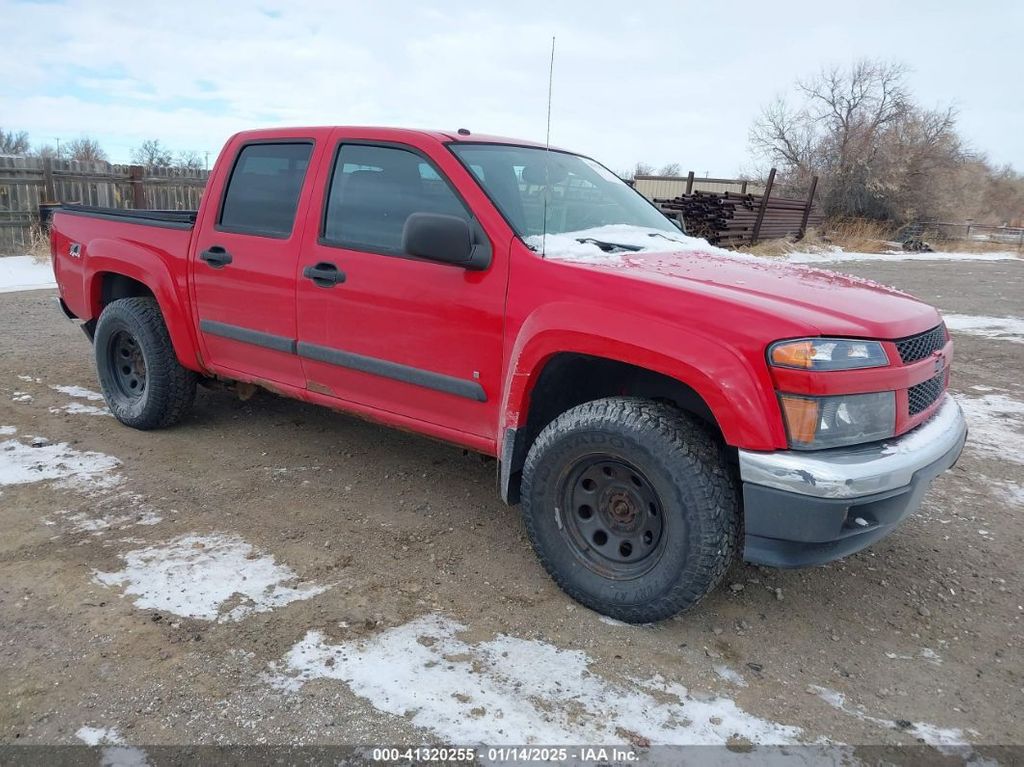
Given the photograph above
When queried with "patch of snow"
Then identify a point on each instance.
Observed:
(998, 328)
(837, 255)
(81, 522)
(1011, 492)
(79, 392)
(200, 576)
(730, 675)
(6, 431)
(612, 622)
(30, 379)
(22, 464)
(939, 737)
(20, 396)
(25, 273)
(514, 691)
(100, 736)
(995, 426)
(80, 408)
(567, 246)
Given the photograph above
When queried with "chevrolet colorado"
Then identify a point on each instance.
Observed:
(656, 406)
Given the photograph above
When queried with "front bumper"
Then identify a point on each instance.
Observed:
(806, 508)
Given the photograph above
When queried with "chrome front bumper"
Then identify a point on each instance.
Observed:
(852, 472)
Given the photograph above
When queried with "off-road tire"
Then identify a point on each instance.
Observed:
(166, 390)
(682, 463)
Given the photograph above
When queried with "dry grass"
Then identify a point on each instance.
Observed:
(39, 246)
(861, 236)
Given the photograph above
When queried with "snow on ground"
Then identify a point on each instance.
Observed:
(40, 460)
(995, 425)
(213, 577)
(80, 522)
(25, 273)
(21, 396)
(730, 675)
(928, 733)
(78, 392)
(999, 328)
(80, 408)
(1011, 492)
(100, 736)
(838, 255)
(514, 691)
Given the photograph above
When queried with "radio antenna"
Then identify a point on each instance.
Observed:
(547, 154)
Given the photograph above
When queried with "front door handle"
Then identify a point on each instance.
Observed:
(324, 274)
(216, 256)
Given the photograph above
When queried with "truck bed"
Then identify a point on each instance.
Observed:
(177, 219)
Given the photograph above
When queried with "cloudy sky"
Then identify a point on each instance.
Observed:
(655, 81)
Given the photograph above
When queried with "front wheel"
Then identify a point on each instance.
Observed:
(630, 508)
(143, 383)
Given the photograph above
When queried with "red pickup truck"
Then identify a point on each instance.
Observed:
(656, 406)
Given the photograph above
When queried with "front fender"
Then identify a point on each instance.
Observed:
(736, 389)
(150, 267)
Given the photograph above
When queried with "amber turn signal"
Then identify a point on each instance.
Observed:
(802, 417)
(799, 354)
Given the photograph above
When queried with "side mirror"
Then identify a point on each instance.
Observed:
(446, 239)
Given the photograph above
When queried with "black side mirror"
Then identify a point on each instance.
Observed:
(447, 239)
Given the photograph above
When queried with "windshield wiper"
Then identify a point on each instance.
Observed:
(659, 234)
(608, 247)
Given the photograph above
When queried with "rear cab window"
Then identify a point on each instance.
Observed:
(262, 194)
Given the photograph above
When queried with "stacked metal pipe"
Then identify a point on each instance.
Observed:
(730, 219)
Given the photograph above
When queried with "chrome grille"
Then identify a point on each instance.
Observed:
(920, 346)
(922, 396)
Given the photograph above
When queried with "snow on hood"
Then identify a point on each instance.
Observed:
(567, 246)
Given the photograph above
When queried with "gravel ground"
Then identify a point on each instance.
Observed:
(270, 572)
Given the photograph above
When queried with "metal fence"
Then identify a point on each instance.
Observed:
(937, 231)
(28, 182)
(674, 186)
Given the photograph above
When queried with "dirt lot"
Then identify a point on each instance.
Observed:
(270, 572)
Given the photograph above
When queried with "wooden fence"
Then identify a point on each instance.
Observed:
(28, 182)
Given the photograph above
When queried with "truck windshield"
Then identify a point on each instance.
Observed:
(577, 196)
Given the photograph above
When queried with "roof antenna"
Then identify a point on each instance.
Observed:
(547, 154)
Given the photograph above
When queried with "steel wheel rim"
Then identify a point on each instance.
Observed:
(613, 518)
(126, 364)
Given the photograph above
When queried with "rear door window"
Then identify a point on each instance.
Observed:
(263, 192)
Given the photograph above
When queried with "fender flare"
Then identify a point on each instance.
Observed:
(724, 378)
(148, 267)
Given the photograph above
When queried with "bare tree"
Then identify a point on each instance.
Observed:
(86, 149)
(857, 128)
(14, 142)
(152, 154)
(190, 160)
(670, 169)
(640, 169)
(44, 151)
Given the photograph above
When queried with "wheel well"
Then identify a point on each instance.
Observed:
(117, 286)
(570, 379)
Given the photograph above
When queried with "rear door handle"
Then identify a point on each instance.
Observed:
(324, 274)
(216, 257)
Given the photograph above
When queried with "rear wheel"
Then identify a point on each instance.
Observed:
(630, 507)
(143, 383)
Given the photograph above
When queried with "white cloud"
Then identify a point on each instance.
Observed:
(651, 81)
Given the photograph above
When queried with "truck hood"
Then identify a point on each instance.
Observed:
(817, 300)
(830, 302)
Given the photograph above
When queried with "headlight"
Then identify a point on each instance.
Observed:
(827, 354)
(816, 423)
